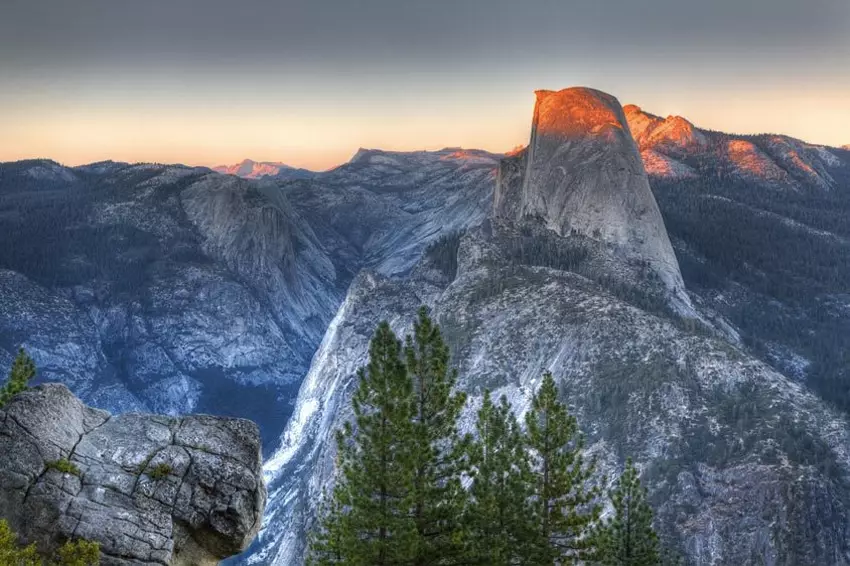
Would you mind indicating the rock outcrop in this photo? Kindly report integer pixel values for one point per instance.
(152, 490)
(582, 174)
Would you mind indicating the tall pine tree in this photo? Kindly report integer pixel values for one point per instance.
(23, 370)
(497, 516)
(628, 538)
(369, 521)
(564, 509)
(438, 449)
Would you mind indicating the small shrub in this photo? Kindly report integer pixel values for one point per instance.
(72, 553)
(79, 553)
(12, 553)
(65, 466)
(160, 471)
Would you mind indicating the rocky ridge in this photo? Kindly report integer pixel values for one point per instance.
(151, 490)
(674, 147)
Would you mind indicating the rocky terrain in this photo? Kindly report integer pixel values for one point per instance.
(161, 288)
(687, 288)
(149, 489)
(172, 289)
(745, 463)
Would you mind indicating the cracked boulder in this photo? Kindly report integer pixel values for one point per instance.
(152, 490)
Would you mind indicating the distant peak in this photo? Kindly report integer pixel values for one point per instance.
(361, 154)
(250, 169)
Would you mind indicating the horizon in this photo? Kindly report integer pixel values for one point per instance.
(307, 84)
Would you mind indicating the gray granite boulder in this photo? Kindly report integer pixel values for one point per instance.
(152, 490)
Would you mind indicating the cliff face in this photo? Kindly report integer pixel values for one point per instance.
(582, 174)
(150, 489)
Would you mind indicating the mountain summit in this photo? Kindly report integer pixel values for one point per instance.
(582, 174)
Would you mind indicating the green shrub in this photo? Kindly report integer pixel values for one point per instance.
(12, 553)
(65, 466)
(160, 471)
(72, 553)
(79, 553)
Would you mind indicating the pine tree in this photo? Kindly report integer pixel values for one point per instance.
(497, 514)
(628, 538)
(564, 509)
(23, 370)
(327, 542)
(369, 523)
(438, 449)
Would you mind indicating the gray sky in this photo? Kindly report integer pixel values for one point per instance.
(403, 61)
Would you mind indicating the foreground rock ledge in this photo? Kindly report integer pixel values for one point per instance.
(152, 490)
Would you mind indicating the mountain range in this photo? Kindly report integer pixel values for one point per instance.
(687, 288)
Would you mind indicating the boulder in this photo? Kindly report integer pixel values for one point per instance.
(151, 489)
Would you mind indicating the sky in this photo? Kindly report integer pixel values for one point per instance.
(308, 82)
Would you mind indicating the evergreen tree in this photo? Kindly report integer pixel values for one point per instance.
(628, 538)
(369, 523)
(327, 543)
(564, 511)
(497, 516)
(23, 370)
(438, 495)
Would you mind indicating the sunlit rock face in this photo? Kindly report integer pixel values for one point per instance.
(673, 148)
(582, 174)
(650, 131)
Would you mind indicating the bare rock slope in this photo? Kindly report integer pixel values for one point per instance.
(152, 490)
